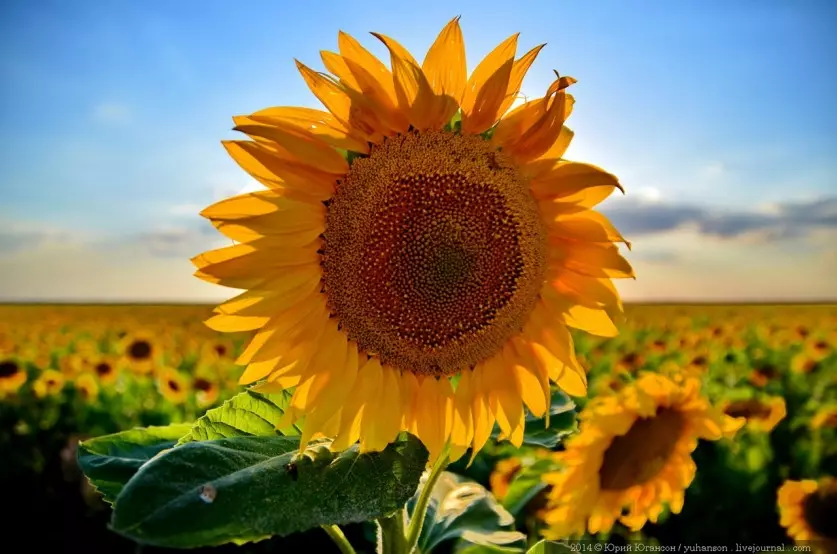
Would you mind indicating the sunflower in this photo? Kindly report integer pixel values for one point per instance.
(808, 510)
(206, 391)
(87, 386)
(760, 376)
(408, 238)
(173, 385)
(501, 478)
(803, 362)
(140, 352)
(824, 418)
(761, 414)
(48, 383)
(12, 376)
(105, 368)
(633, 451)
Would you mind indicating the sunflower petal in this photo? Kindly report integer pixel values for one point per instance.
(487, 88)
(444, 68)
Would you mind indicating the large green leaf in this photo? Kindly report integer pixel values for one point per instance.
(561, 423)
(111, 460)
(246, 414)
(527, 484)
(550, 547)
(212, 492)
(464, 509)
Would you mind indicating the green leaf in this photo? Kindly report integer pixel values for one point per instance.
(561, 423)
(464, 509)
(244, 415)
(111, 460)
(526, 485)
(550, 547)
(212, 492)
(455, 123)
(468, 548)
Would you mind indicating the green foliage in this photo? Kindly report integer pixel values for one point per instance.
(527, 484)
(545, 434)
(241, 488)
(245, 414)
(463, 509)
(110, 461)
(549, 547)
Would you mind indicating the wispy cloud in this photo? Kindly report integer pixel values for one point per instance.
(783, 220)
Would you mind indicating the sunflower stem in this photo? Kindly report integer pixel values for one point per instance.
(339, 538)
(420, 510)
(391, 539)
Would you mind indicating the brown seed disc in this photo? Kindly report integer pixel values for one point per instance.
(434, 252)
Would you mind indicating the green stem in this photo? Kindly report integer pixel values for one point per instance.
(339, 538)
(420, 511)
(391, 539)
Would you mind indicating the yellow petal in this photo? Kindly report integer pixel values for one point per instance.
(379, 77)
(322, 125)
(303, 146)
(331, 386)
(347, 105)
(586, 226)
(372, 371)
(384, 413)
(247, 260)
(430, 410)
(413, 91)
(444, 68)
(486, 89)
(267, 167)
(591, 259)
(518, 72)
(594, 321)
(355, 406)
(534, 383)
(586, 290)
(291, 288)
(462, 428)
(483, 421)
(254, 204)
(575, 183)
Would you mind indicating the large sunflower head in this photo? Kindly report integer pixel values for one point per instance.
(413, 234)
(808, 510)
(632, 456)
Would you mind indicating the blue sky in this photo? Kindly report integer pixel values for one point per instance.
(718, 116)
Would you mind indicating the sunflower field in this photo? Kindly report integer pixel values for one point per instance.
(756, 385)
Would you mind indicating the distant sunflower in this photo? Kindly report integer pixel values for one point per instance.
(105, 368)
(140, 352)
(12, 376)
(761, 376)
(48, 383)
(808, 510)
(87, 386)
(825, 418)
(173, 385)
(502, 475)
(803, 362)
(414, 233)
(206, 391)
(761, 414)
(633, 452)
